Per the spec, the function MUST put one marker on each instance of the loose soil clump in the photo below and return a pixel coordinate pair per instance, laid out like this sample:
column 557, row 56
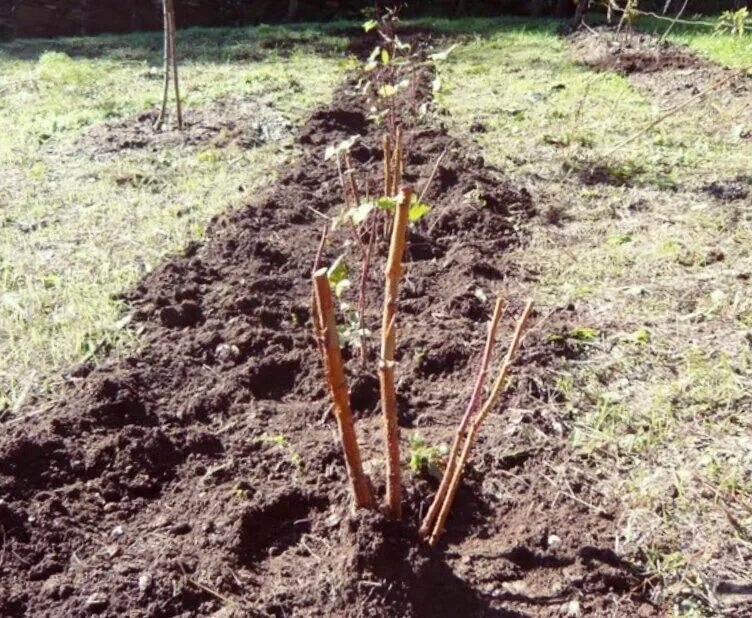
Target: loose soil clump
column 202, row 474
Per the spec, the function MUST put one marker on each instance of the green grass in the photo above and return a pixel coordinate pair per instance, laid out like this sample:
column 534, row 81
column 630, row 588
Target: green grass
column 659, row 412
column 559, row 116
column 728, row 50
column 78, row 225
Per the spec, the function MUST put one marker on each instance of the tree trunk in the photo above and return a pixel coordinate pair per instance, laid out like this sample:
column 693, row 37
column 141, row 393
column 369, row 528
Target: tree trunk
column 292, row 10
column 579, row 14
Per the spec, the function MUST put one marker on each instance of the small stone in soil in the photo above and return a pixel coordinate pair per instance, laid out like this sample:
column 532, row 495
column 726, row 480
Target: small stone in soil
column 144, row 582
column 181, row 528
column 96, row 602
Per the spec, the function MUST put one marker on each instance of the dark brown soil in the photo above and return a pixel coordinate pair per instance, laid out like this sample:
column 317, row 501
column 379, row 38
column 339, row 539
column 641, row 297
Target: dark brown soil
column 632, row 52
column 238, row 121
column 201, row 476
column 667, row 72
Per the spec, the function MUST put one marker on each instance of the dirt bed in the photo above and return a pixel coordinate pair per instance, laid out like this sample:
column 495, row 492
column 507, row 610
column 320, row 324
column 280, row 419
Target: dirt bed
column 666, row 71
column 229, row 121
column 202, row 476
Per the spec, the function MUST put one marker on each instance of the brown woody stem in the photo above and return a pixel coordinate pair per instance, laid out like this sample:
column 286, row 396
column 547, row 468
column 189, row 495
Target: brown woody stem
column 388, row 191
column 386, row 366
column 475, row 424
column 493, row 326
column 335, row 376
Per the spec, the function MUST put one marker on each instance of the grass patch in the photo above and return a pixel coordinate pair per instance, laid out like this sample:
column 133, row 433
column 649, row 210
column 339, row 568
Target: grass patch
column 732, row 51
column 80, row 225
column 558, row 117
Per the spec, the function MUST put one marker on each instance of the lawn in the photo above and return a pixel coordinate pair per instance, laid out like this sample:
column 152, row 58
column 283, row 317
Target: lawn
column 82, row 222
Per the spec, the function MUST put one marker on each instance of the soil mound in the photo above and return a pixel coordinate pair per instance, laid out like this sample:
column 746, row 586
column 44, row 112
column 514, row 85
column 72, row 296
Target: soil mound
column 632, row 53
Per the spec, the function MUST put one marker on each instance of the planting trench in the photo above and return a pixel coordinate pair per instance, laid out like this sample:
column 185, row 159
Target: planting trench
column 202, row 474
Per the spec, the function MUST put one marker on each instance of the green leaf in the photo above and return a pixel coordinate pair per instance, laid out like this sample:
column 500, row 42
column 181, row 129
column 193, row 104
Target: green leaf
column 370, row 25
column 417, row 212
column 387, row 90
column 337, row 271
column 385, row 57
column 386, row 203
column 584, row 333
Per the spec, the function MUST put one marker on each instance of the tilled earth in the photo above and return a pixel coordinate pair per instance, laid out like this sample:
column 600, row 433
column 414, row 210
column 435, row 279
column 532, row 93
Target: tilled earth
column 202, row 475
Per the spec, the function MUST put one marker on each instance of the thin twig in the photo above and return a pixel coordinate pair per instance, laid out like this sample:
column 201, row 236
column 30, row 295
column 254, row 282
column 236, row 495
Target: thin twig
column 493, row 326
column 688, row 22
column 173, row 54
column 363, row 293
column 166, row 83
column 388, row 191
column 673, row 21
column 717, row 84
column 316, row 265
column 431, row 177
column 477, row 421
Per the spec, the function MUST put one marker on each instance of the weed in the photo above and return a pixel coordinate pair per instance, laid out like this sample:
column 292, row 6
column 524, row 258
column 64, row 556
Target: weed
column 426, row 458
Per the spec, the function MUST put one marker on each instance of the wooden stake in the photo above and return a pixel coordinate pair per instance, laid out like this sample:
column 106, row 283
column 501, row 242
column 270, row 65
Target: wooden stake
column 493, row 326
column 475, row 424
column 173, row 55
column 337, row 382
column 167, row 48
column 386, row 366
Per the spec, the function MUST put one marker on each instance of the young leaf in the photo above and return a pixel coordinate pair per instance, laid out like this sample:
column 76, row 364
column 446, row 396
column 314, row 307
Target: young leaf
column 370, row 25
column 341, row 286
column 371, row 62
column 401, row 45
column 386, row 203
column 385, row 57
column 337, row 271
column 387, row 90
column 417, row 212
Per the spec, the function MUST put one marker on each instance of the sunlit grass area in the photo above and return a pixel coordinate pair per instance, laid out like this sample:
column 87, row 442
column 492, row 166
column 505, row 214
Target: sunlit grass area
column 659, row 409
column 557, row 113
column 81, row 220
column 732, row 51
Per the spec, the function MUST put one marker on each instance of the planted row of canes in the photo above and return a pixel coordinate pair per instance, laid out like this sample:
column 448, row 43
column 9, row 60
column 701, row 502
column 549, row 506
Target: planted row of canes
column 388, row 217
